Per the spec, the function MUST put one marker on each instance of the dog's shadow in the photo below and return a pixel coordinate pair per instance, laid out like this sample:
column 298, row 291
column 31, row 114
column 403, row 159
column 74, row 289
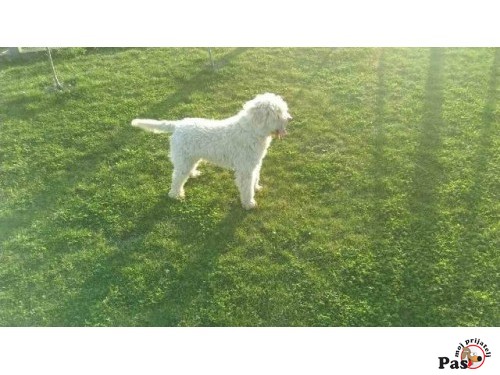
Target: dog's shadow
column 205, row 240
column 175, row 246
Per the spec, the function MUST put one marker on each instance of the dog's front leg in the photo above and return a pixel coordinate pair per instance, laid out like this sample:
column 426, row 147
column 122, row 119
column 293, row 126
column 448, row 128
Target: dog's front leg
column 257, row 185
column 245, row 181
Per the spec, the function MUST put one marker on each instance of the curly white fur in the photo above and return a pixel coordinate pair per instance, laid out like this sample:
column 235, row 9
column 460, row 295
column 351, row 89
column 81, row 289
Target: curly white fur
column 239, row 143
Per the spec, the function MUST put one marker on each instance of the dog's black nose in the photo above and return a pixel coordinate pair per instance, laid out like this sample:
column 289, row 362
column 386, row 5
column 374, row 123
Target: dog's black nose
column 479, row 358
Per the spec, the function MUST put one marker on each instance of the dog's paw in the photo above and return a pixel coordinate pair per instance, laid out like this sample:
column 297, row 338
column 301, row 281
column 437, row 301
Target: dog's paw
column 258, row 187
column 250, row 206
column 176, row 195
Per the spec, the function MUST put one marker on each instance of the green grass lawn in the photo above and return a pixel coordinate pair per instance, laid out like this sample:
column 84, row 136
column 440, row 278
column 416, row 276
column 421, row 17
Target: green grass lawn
column 380, row 208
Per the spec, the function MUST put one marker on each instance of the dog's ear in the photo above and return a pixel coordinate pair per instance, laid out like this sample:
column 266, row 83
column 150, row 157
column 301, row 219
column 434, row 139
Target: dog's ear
column 261, row 114
column 465, row 353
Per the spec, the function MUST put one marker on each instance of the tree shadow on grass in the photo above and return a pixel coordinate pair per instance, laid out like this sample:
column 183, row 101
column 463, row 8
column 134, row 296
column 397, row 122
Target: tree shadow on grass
column 398, row 286
column 475, row 259
column 420, row 294
column 412, row 287
column 18, row 107
column 57, row 185
column 203, row 80
column 384, row 252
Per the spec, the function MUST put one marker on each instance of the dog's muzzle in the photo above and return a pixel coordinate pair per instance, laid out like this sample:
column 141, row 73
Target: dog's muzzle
column 280, row 133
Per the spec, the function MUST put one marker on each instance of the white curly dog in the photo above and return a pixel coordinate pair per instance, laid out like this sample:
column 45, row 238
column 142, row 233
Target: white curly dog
column 239, row 143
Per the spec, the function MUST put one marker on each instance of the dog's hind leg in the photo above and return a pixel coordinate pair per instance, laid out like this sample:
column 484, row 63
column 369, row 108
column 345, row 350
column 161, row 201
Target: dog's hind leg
column 245, row 181
column 181, row 173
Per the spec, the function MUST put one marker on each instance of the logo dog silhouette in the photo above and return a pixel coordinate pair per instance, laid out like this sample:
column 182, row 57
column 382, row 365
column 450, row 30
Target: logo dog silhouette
column 472, row 358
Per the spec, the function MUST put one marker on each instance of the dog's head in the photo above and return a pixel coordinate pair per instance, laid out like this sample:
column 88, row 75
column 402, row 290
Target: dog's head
column 471, row 356
column 268, row 113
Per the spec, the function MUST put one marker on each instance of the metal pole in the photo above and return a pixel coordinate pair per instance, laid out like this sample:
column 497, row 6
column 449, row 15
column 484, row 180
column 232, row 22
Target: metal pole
column 58, row 84
column 211, row 58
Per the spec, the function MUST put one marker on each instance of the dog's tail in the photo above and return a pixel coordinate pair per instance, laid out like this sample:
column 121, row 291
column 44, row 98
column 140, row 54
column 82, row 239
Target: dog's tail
column 155, row 126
